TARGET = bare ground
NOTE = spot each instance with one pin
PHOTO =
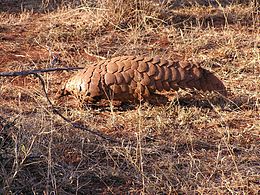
(197, 143)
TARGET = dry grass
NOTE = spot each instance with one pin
(196, 144)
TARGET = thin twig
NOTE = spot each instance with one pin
(75, 125)
(28, 72)
(7, 124)
(54, 109)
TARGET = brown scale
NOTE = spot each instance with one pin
(138, 78)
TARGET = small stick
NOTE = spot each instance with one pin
(28, 72)
(54, 109)
(75, 125)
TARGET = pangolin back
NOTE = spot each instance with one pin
(136, 78)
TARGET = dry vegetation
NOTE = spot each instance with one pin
(196, 144)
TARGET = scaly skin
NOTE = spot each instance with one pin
(137, 78)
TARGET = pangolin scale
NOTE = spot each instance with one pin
(131, 78)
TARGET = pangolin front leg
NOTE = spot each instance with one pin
(130, 78)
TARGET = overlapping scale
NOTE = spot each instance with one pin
(128, 76)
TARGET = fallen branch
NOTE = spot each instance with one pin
(75, 125)
(36, 71)
(54, 109)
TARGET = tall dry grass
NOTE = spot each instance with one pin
(197, 143)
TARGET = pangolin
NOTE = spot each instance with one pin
(130, 78)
